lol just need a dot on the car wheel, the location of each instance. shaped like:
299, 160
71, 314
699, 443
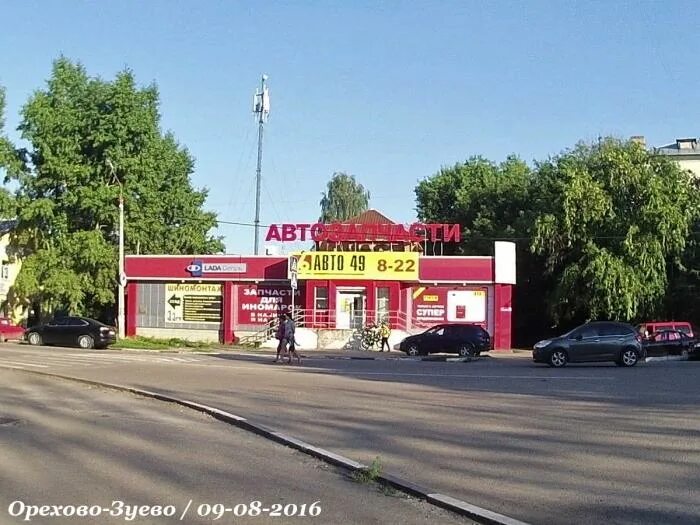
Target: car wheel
34, 339
413, 350
558, 358
466, 351
629, 357
86, 342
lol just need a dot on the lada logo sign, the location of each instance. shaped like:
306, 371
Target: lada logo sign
197, 268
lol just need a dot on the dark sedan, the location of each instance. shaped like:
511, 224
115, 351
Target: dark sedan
669, 342
72, 331
467, 340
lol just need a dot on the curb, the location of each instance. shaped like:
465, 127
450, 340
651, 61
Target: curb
457, 506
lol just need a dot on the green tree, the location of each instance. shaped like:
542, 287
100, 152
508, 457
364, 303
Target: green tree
492, 202
617, 214
10, 163
344, 198
88, 137
684, 273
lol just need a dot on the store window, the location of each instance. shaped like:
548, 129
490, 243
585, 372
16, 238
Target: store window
383, 312
321, 298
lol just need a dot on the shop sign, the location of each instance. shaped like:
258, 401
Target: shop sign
192, 303
197, 268
377, 266
429, 305
259, 304
339, 232
432, 305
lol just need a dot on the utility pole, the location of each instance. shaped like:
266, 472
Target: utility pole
122, 274
261, 108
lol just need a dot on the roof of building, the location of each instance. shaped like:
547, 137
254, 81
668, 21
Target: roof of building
370, 216
687, 146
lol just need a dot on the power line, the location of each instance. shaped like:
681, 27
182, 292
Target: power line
252, 225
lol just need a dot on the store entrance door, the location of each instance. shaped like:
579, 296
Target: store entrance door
350, 307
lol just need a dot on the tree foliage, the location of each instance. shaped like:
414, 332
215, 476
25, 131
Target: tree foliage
602, 231
618, 213
88, 137
344, 198
491, 202
10, 163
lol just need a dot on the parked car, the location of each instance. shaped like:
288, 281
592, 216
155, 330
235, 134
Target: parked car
674, 342
72, 331
648, 329
467, 340
595, 341
9, 330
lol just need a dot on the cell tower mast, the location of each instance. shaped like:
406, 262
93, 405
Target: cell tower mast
261, 108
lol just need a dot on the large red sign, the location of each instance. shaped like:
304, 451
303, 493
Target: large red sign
259, 304
337, 232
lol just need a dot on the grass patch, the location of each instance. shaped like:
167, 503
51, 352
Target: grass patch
152, 343
369, 474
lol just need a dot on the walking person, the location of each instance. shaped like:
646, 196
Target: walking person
279, 335
385, 332
289, 331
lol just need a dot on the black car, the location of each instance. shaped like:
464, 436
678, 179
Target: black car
669, 342
595, 341
467, 340
72, 331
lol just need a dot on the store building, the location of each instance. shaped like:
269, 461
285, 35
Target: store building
342, 287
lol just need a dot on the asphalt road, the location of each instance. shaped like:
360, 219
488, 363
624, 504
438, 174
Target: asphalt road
67, 444
584, 444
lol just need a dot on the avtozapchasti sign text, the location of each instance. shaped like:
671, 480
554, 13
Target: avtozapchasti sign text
337, 232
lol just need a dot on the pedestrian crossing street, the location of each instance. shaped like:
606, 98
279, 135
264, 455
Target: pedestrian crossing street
49, 361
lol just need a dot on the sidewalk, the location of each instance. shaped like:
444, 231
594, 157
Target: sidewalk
321, 353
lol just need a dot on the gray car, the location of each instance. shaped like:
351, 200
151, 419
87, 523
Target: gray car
592, 342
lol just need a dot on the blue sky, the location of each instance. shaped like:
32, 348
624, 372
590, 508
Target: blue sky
388, 91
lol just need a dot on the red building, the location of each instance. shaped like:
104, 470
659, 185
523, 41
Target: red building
224, 297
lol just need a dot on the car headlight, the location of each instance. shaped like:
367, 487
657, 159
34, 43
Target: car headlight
543, 344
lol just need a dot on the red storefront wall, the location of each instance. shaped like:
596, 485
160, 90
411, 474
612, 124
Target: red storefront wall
272, 271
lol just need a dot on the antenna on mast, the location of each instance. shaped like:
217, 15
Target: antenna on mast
261, 109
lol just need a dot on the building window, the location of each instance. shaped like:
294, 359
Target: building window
382, 304
321, 298
5, 271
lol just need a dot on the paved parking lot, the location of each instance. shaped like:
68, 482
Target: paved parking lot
583, 444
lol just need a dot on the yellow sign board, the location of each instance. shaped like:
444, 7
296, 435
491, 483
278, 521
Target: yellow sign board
377, 266
192, 303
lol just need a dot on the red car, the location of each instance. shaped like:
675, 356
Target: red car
649, 329
9, 330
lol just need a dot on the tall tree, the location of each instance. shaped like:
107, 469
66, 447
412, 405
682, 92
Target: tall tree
10, 163
344, 198
617, 215
88, 137
684, 272
492, 202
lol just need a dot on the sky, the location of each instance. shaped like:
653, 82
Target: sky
387, 91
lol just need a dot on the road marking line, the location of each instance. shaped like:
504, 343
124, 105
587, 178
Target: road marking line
23, 364
358, 372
